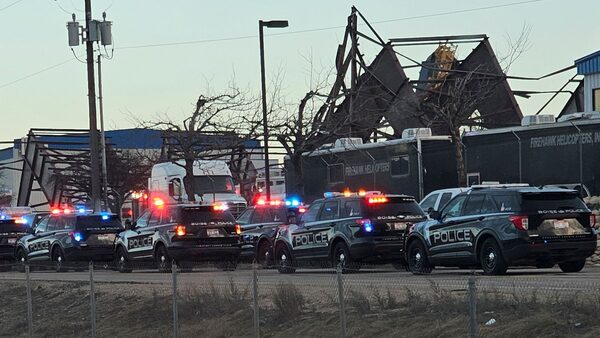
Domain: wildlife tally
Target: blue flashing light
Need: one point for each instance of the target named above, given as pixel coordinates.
(105, 217)
(81, 210)
(77, 237)
(368, 227)
(295, 203)
(288, 203)
(2, 217)
(329, 194)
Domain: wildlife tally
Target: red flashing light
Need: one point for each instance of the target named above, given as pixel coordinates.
(130, 212)
(362, 192)
(158, 202)
(180, 230)
(261, 202)
(21, 220)
(520, 222)
(238, 229)
(347, 193)
(145, 196)
(276, 202)
(55, 211)
(67, 211)
(592, 220)
(302, 210)
(378, 199)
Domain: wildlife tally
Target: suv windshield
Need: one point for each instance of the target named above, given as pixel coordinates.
(559, 202)
(213, 184)
(395, 206)
(203, 214)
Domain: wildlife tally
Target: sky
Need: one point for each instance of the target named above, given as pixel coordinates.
(206, 44)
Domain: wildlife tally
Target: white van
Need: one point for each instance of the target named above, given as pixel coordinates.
(212, 183)
(436, 200)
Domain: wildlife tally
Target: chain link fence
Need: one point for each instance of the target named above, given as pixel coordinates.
(95, 301)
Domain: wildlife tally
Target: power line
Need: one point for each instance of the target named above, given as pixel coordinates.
(10, 5)
(191, 42)
(255, 36)
(36, 73)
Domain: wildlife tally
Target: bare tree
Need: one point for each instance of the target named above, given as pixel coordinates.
(217, 127)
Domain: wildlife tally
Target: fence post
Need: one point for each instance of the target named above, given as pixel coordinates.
(175, 311)
(340, 287)
(92, 299)
(472, 308)
(255, 300)
(29, 302)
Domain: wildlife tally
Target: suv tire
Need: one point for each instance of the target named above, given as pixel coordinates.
(58, 259)
(21, 260)
(122, 261)
(491, 258)
(263, 254)
(418, 263)
(283, 260)
(341, 258)
(572, 266)
(162, 259)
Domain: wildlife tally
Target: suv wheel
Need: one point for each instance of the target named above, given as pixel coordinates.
(342, 259)
(263, 254)
(162, 259)
(573, 266)
(58, 259)
(284, 260)
(491, 258)
(417, 258)
(21, 260)
(123, 264)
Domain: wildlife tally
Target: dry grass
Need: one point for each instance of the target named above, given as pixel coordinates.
(212, 310)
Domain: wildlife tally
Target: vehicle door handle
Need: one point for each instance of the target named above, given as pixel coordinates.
(332, 224)
(451, 223)
(480, 218)
(307, 227)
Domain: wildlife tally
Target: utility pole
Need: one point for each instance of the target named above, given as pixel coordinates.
(102, 136)
(94, 148)
(95, 31)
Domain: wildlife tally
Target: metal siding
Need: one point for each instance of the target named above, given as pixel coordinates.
(587, 66)
(590, 83)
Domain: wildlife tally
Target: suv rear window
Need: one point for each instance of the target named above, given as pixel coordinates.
(395, 206)
(203, 214)
(98, 222)
(552, 202)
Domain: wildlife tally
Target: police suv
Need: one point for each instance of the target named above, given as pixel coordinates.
(494, 227)
(10, 232)
(66, 238)
(186, 233)
(260, 224)
(347, 229)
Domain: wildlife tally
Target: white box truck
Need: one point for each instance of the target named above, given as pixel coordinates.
(212, 183)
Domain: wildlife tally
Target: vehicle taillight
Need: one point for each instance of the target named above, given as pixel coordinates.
(238, 229)
(592, 220)
(366, 224)
(520, 222)
(180, 230)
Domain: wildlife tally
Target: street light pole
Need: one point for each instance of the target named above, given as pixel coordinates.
(270, 24)
(94, 148)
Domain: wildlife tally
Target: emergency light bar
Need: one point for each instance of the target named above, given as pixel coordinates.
(347, 193)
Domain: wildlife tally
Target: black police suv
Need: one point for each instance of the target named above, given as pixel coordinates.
(10, 232)
(186, 233)
(259, 227)
(66, 239)
(347, 229)
(501, 226)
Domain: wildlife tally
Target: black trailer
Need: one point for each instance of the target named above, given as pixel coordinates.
(563, 153)
(412, 166)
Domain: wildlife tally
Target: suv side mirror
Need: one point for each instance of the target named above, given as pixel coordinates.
(129, 225)
(30, 230)
(292, 219)
(434, 214)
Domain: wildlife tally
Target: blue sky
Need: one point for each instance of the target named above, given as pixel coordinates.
(152, 81)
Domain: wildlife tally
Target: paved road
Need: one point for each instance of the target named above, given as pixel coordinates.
(522, 279)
